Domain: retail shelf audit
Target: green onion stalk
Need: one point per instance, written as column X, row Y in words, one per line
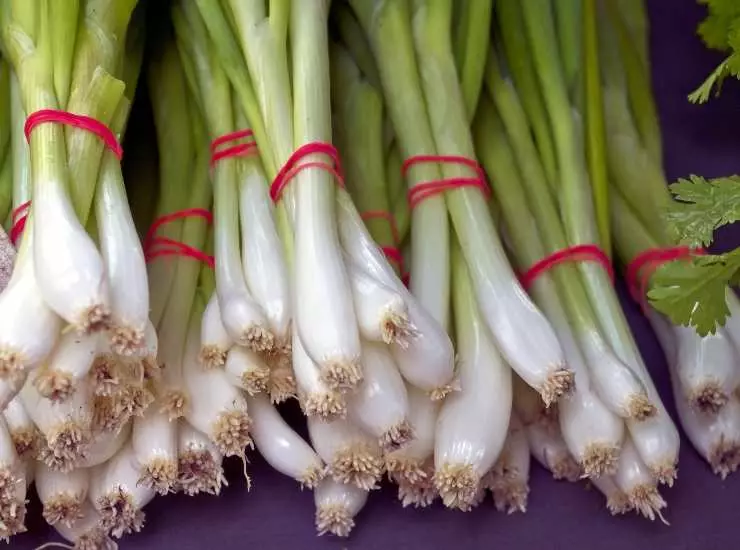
column 251, row 275
column 358, row 128
column 604, row 385
column 70, row 280
column 655, row 437
column 429, row 114
column 702, row 368
column 6, row 156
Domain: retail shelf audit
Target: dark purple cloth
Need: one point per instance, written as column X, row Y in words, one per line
column 701, row 508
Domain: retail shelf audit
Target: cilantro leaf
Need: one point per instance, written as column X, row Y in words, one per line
column 720, row 31
column 693, row 293
column 704, row 206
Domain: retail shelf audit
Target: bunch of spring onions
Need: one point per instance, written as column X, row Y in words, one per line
column 294, row 242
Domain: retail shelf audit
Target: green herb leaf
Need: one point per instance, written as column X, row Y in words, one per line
column 704, row 206
column 720, row 31
column 693, row 293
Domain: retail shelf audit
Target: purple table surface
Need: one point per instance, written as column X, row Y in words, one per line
column 701, row 508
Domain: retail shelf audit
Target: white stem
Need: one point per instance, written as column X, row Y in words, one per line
column 509, row 477
column 428, row 361
column 281, row 446
column 217, row 408
column 317, row 398
column 423, row 414
column 69, row 269
column 13, row 493
column 324, row 311
column 87, row 532
column 635, row 480
column 549, row 449
column 265, row 269
column 105, row 445
column 200, row 462
column 215, row 341
column 23, row 431
column 337, row 504
column 117, row 495
column 246, row 370
column 617, row 501
column 154, row 440
column 380, row 404
column 9, row 389
column 382, row 315
column 351, row 455
column 69, row 363
column 62, row 495
column 124, row 261
column 706, row 368
column 66, row 426
column 29, row 328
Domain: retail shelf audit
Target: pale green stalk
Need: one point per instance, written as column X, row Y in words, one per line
column 511, row 183
column 633, row 53
column 353, row 36
column 255, row 46
column 568, row 21
column 641, row 180
column 471, row 37
column 388, row 26
column 636, row 18
column 65, row 14
column 594, row 123
column 519, row 62
column 167, row 91
column 358, row 131
column 397, row 193
column 232, row 61
column 99, row 43
column 19, row 147
column 575, row 202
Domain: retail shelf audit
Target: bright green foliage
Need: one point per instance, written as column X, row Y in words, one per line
column 693, row 293
column 720, row 31
column 705, row 205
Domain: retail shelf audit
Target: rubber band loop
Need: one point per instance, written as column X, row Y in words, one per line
column 293, row 167
column 578, row 253
column 18, row 218
column 427, row 189
column 156, row 247
column 238, row 150
column 77, row 121
column 646, row 263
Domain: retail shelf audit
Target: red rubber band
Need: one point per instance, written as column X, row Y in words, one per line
column 428, row 189
column 292, row 166
column 77, row 121
column 579, row 253
column 239, row 150
column 156, row 247
column 642, row 267
column 18, row 219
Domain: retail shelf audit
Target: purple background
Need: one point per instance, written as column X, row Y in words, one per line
column 701, row 508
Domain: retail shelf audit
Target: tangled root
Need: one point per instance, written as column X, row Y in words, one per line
column 126, row 340
column 709, row 398
column 724, row 456
column 334, row 519
column 198, row 472
column 212, row 356
column 231, row 433
column 55, row 385
column 458, row 486
column 560, row 382
column 94, row 319
column 341, row 374
column 600, row 459
column 358, row 465
column 329, row 405
column 258, row 339
column 396, row 436
column 119, row 515
column 646, row 501
column 159, row 474
column 640, row 408
column 65, row 445
column 63, row 508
